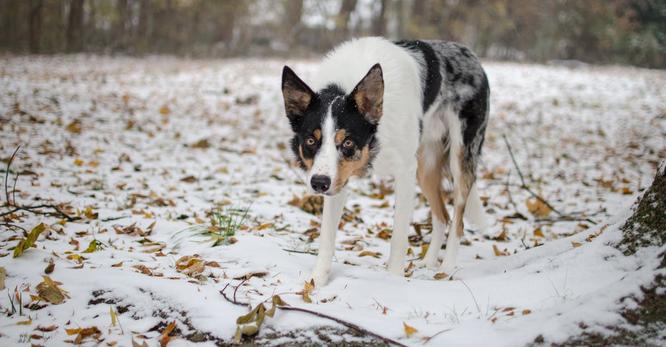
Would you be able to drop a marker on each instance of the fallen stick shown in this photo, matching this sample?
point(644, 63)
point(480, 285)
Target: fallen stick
point(315, 313)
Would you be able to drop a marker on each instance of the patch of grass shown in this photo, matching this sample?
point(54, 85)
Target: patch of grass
point(222, 227)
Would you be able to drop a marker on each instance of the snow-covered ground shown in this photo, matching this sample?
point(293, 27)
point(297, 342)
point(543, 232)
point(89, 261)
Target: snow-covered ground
point(161, 142)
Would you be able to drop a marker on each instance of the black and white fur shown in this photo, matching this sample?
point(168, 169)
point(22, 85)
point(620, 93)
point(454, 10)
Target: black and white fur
point(414, 110)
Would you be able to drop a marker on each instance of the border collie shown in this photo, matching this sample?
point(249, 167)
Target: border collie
point(414, 110)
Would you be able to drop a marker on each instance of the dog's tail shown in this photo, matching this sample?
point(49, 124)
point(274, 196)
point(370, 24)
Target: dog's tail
point(475, 214)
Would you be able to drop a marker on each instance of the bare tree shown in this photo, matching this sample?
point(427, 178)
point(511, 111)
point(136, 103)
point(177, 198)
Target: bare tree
point(75, 27)
point(35, 22)
point(342, 20)
point(379, 22)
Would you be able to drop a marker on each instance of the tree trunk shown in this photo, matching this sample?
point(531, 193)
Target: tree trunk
point(293, 14)
point(35, 22)
point(342, 22)
point(75, 27)
point(647, 225)
point(379, 23)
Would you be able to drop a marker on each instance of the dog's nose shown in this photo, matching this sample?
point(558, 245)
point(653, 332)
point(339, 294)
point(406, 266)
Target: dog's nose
point(320, 183)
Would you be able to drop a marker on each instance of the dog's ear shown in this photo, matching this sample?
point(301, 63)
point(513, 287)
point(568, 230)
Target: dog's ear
point(297, 95)
point(369, 94)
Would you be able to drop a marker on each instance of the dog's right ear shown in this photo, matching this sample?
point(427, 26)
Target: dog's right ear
point(297, 95)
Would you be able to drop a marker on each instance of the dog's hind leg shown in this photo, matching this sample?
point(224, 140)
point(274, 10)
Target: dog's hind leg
point(405, 191)
point(463, 177)
point(430, 173)
point(333, 207)
point(474, 211)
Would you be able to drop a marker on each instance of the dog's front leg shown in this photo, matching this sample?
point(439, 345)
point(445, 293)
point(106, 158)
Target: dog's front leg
point(404, 206)
point(333, 206)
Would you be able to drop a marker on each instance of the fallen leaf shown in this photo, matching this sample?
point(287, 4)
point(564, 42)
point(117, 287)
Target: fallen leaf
point(164, 340)
point(3, 275)
point(190, 265)
point(46, 329)
point(308, 287)
point(441, 276)
point(29, 241)
point(498, 252)
point(49, 290)
point(503, 236)
point(85, 333)
point(538, 233)
point(49, 268)
point(136, 344)
point(576, 244)
point(537, 208)
point(25, 322)
point(114, 316)
point(93, 246)
point(526, 312)
point(409, 330)
point(369, 254)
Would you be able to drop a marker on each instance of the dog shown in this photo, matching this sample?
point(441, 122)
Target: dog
point(413, 110)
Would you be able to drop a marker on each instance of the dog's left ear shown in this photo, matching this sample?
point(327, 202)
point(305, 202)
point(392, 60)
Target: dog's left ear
point(369, 94)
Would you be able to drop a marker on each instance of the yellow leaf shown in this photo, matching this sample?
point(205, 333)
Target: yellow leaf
point(73, 331)
point(538, 233)
point(308, 287)
point(409, 330)
point(537, 208)
point(165, 110)
point(526, 312)
point(503, 236)
point(25, 322)
point(29, 241)
point(424, 250)
point(93, 246)
point(114, 316)
point(78, 162)
point(190, 265)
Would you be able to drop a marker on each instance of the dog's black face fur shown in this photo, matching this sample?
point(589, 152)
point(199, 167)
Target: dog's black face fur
point(355, 117)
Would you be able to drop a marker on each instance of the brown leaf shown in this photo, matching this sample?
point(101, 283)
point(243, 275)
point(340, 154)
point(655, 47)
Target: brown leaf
point(3, 275)
point(136, 344)
point(576, 244)
point(164, 340)
point(370, 254)
point(503, 236)
point(87, 332)
point(308, 287)
point(249, 275)
point(49, 290)
point(49, 268)
point(538, 233)
point(190, 265)
point(46, 329)
point(498, 252)
point(537, 208)
point(441, 276)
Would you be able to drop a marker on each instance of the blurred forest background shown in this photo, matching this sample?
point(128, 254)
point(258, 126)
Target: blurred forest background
point(592, 31)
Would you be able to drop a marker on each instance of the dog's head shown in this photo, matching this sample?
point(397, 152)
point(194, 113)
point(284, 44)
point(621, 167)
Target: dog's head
point(334, 132)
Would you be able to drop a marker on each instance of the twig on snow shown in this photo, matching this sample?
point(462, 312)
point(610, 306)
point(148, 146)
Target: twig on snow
point(315, 313)
point(14, 207)
point(528, 189)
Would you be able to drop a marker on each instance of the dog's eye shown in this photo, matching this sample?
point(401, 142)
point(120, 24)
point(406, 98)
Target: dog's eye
point(348, 143)
point(310, 141)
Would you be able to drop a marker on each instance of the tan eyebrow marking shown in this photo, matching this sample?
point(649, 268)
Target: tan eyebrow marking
point(340, 136)
point(317, 134)
point(307, 162)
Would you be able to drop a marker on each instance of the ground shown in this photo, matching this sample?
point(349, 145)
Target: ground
point(145, 153)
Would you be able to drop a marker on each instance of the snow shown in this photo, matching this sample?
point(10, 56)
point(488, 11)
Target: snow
point(587, 140)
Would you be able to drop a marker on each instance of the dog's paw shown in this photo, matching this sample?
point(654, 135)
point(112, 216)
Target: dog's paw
point(320, 278)
point(427, 263)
